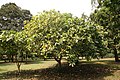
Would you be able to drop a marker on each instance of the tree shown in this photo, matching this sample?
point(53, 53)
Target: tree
point(48, 32)
point(20, 40)
point(61, 34)
point(8, 46)
point(12, 17)
point(107, 15)
point(13, 44)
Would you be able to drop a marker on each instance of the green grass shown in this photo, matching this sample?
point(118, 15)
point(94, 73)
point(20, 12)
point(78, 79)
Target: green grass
point(105, 69)
point(32, 65)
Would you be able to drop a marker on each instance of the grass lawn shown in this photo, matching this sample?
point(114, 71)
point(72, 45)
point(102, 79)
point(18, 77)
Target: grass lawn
point(104, 69)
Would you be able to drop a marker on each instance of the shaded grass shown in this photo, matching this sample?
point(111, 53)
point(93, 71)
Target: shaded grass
point(47, 70)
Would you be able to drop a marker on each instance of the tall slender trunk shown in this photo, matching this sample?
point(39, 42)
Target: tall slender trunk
point(18, 64)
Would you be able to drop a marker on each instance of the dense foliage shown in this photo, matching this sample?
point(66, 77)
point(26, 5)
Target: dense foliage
point(12, 17)
point(7, 44)
point(57, 34)
point(107, 14)
point(61, 34)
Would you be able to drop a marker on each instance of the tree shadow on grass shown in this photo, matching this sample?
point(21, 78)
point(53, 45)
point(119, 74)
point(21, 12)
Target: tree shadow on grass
point(80, 72)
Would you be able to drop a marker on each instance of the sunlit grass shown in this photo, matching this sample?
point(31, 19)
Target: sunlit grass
point(5, 67)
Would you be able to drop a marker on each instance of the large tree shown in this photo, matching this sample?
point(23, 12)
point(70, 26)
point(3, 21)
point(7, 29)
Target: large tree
point(107, 14)
point(12, 17)
point(51, 32)
point(62, 34)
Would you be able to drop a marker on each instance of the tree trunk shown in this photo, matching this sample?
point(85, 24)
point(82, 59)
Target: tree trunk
point(115, 51)
point(44, 58)
point(22, 57)
point(116, 55)
point(12, 58)
point(58, 60)
point(18, 65)
point(9, 58)
point(26, 58)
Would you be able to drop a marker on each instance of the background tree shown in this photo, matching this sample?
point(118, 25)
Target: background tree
point(12, 17)
point(7, 44)
point(14, 46)
point(21, 42)
point(22, 51)
point(107, 15)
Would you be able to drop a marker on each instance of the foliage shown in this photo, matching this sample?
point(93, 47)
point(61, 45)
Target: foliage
point(49, 31)
point(61, 34)
point(7, 44)
point(12, 17)
point(13, 45)
point(107, 15)
point(21, 42)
